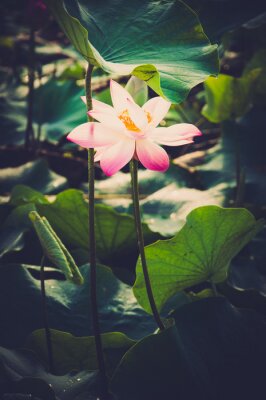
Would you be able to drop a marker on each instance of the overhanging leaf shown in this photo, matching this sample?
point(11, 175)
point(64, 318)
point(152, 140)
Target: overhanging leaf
point(163, 45)
point(200, 251)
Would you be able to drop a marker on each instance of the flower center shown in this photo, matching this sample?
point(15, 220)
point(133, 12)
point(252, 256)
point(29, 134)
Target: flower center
point(129, 124)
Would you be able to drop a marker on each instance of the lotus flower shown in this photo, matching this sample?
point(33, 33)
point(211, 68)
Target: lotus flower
point(127, 130)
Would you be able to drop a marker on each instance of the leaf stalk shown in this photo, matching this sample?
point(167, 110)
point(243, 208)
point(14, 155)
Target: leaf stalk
point(46, 320)
point(139, 232)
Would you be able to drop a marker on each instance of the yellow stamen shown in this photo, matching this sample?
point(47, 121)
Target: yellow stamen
point(127, 121)
point(148, 115)
point(129, 124)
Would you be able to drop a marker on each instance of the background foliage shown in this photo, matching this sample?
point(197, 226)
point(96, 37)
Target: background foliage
point(214, 346)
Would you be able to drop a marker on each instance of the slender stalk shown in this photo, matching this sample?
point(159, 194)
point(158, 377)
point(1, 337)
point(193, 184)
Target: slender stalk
point(135, 197)
point(92, 244)
point(214, 289)
point(237, 162)
point(46, 320)
point(29, 133)
point(240, 174)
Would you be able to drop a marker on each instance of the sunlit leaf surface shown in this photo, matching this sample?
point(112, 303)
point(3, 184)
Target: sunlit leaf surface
point(163, 45)
point(200, 251)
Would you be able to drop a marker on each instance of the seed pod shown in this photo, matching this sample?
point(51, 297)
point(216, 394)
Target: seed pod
point(76, 275)
point(54, 249)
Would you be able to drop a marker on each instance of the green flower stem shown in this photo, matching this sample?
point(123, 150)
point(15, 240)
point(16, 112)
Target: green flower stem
point(45, 320)
point(240, 174)
point(214, 288)
point(29, 133)
point(135, 197)
point(92, 244)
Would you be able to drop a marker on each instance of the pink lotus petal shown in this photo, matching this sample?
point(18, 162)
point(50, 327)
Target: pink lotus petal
point(151, 155)
point(175, 135)
point(117, 156)
point(157, 107)
point(111, 121)
point(99, 151)
point(137, 115)
point(102, 107)
point(93, 134)
point(119, 97)
point(99, 106)
point(128, 129)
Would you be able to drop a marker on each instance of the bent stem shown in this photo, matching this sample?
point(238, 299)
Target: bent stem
point(92, 244)
point(135, 197)
point(45, 320)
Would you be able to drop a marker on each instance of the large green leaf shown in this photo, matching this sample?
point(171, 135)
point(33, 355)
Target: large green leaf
point(158, 368)
point(162, 44)
point(201, 251)
point(215, 352)
point(79, 353)
point(69, 216)
point(68, 305)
